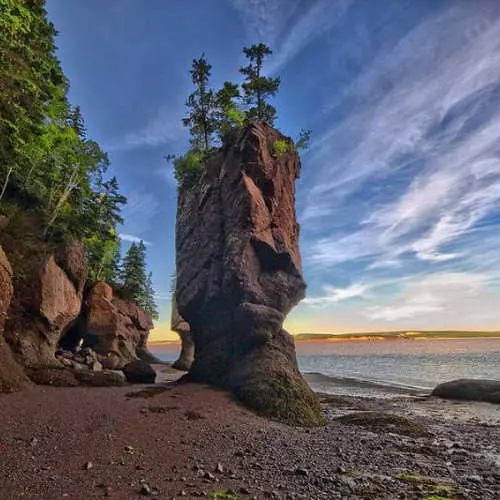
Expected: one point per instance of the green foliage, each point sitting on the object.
(223, 494)
(201, 105)
(135, 284)
(281, 146)
(47, 162)
(258, 88)
(189, 167)
(229, 117)
(303, 142)
(430, 487)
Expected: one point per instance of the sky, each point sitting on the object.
(399, 196)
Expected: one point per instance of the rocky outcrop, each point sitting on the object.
(139, 372)
(470, 390)
(46, 301)
(181, 327)
(116, 329)
(239, 274)
(12, 376)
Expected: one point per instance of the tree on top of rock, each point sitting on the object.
(201, 105)
(229, 117)
(258, 88)
(136, 285)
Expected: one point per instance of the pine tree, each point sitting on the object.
(228, 116)
(201, 105)
(149, 304)
(133, 272)
(258, 88)
(136, 285)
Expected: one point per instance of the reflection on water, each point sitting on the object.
(415, 363)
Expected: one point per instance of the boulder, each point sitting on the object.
(470, 390)
(104, 378)
(139, 372)
(239, 274)
(12, 376)
(116, 329)
(181, 327)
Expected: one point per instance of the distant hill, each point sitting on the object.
(401, 334)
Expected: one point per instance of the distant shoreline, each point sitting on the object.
(397, 335)
(375, 336)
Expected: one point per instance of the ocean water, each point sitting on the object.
(418, 363)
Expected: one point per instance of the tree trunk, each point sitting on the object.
(6, 182)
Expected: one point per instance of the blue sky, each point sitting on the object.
(399, 199)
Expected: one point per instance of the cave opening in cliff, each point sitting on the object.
(74, 335)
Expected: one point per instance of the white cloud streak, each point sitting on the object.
(438, 296)
(431, 113)
(334, 295)
(288, 31)
(133, 239)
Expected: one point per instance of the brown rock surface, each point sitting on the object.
(115, 328)
(239, 274)
(179, 325)
(44, 305)
(12, 376)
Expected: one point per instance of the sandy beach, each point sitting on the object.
(187, 440)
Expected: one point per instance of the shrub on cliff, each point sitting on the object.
(189, 167)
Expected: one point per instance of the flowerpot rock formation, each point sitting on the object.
(239, 274)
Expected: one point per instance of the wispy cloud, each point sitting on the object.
(288, 26)
(437, 113)
(139, 212)
(333, 295)
(437, 296)
(133, 239)
(165, 127)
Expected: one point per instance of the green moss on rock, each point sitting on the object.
(282, 397)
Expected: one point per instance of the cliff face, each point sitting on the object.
(115, 328)
(239, 274)
(46, 300)
(46, 312)
(11, 374)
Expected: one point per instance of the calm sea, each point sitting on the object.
(409, 363)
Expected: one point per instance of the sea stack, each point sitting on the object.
(239, 274)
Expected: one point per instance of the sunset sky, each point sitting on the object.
(399, 199)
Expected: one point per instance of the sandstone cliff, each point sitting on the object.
(11, 374)
(47, 298)
(48, 309)
(116, 328)
(239, 274)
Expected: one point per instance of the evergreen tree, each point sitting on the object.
(258, 88)
(133, 272)
(47, 162)
(201, 105)
(136, 285)
(149, 304)
(228, 116)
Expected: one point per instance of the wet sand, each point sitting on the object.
(191, 441)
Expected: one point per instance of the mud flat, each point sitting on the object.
(187, 440)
